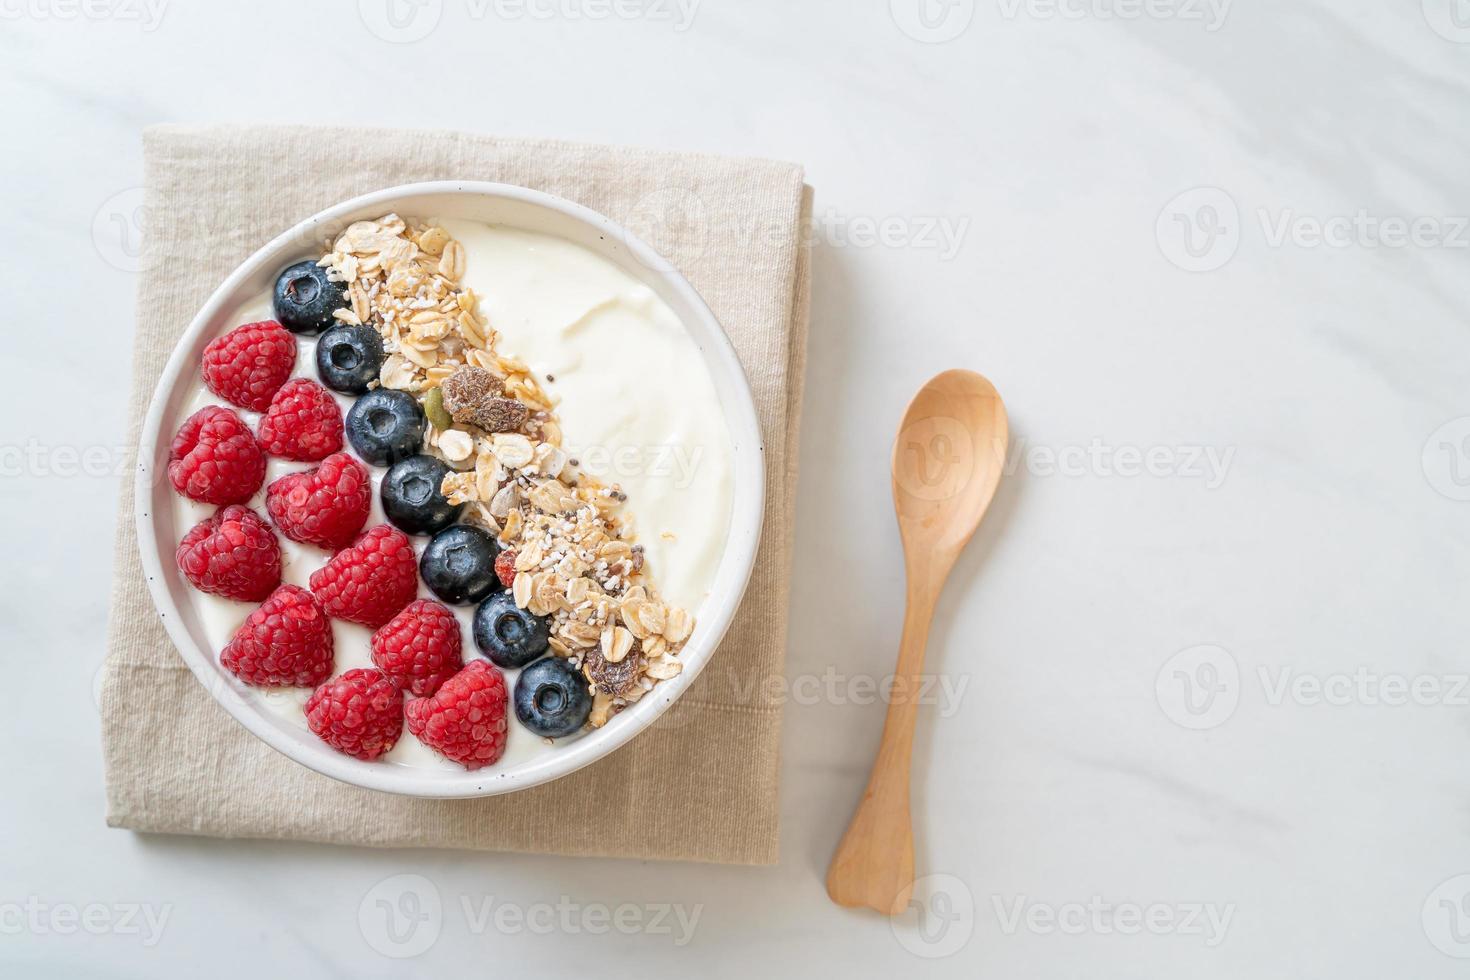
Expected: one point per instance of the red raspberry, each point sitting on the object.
(232, 554)
(287, 642)
(465, 719)
(370, 580)
(246, 366)
(214, 459)
(326, 506)
(505, 567)
(359, 712)
(303, 423)
(420, 648)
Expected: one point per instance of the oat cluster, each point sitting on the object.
(577, 560)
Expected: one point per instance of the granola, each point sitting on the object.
(577, 561)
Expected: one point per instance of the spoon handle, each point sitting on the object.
(874, 864)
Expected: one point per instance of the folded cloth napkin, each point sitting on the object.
(699, 785)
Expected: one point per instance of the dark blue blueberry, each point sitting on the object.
(412, 497)
(385, 426)
(507, 634)
(305, 298)
(458, 566)
(551, 698)
(348, 358)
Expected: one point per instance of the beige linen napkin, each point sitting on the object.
(700, 785)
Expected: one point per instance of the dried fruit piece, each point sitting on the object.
(612, 678)
(500, 415)
(467, 389)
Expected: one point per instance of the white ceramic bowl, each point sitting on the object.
(518, 207)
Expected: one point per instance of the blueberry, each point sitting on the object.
(412, 498)
(458, 566)
(507, 634)
(385, 426)
(348, 358)
(551, 698)
(305, 298)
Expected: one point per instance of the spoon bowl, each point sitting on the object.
(947, 462)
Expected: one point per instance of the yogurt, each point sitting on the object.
(637, 408)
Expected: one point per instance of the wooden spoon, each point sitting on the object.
(947, 463)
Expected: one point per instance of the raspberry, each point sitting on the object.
(505, 567)
(214, 459)
(249, 364)
(287, 642)
(371, 579)
(232, 554)
(420, 648)
(325, 506)
(465, 719)
(359, 712)
(302, 423)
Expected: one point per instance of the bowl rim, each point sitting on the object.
(741, 544)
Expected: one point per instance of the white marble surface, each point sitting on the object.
(1302, 513)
